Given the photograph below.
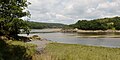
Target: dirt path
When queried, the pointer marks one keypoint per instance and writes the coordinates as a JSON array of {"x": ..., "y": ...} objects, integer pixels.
[{"x": 40, "y": 45}]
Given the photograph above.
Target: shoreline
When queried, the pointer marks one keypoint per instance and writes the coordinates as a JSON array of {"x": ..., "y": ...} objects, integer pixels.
[
  {"x": 96, "y": 31},
  {"x": 71, "y": 30}
]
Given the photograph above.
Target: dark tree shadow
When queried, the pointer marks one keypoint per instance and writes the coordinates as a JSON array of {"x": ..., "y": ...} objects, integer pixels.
[{"x": 20, "y": 38}]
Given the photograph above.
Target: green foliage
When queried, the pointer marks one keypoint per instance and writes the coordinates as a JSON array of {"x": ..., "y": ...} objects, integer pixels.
[
  {"x": 67, "y": 27},
  {"x": 10, "y": 13},
  {"x": 117, "y": 23},
  {"x": 57, "y": 51},
  {"x": 38, "y": 25},
  {"x": 98, "y": 24},
  {"x": 16, "y": 50}
]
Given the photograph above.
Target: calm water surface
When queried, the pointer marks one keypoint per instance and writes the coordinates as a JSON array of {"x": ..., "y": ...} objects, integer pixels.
[{"x": 98, "y": 39}]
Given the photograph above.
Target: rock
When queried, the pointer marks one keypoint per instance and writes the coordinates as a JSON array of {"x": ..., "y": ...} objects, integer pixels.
[
  {"x": 3, "y": 38},
  {"x": 35, "y": 37}
]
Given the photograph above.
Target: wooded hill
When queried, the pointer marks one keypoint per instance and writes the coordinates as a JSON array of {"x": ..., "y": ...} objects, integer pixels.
[
  {"x": 40, "y": 25},
  {"x": 98, "y": 24}
]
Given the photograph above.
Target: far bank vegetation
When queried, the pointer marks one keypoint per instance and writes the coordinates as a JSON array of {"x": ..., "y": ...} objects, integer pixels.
[{"x": 97, "y": 24}]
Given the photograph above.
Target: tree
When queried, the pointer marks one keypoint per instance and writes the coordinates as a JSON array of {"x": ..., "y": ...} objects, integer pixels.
[
  {"x": 11, "y": 12},
  {"x": 117, "y": 25}
]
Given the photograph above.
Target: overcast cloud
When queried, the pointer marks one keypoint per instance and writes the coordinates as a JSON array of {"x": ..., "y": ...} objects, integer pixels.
[{"x": 70, "y": 11}]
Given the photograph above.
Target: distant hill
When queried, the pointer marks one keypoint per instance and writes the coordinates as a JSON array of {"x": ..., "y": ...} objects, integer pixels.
[
  {"x": 98, "y": 24},
  {"x": 41, "y": 25}
]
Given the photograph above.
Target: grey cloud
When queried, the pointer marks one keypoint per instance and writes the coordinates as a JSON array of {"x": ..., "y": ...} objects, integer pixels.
[{"x": 69, "y": 11}]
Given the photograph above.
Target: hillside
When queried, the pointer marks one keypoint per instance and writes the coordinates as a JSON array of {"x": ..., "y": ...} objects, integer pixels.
[
  {"x": 98, "y": 24},
  {"x": 40, "y": 25}
]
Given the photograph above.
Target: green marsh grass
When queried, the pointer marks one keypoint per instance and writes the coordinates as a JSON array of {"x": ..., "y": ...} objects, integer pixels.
[{"x": 58, "y": 51}]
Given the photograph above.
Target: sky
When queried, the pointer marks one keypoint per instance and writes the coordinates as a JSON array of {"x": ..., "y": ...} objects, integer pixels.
[{"x": 70, "y": 11}]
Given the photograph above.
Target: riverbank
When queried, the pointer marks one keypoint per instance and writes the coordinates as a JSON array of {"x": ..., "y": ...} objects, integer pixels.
[
  {"x": 58, "y": 51},
  {"x": 41, "y": 44},
  {"x": 98, "y": 31},
  {"x": 94, "y": 31},
  {"x": 22, "y": 49},
  {"x": 45, "y": 30},
  {"x": 70, "y": 30}
]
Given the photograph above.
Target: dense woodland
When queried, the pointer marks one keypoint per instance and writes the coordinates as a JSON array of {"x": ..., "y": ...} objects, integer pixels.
[
  {"x": 40, "y": 25},
  {"x": 98, "y": 24}
]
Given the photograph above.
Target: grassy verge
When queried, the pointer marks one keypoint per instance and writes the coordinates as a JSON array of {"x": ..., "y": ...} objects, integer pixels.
[
  {"x": 16, "y": 50},
  {"x": 57, "y": 51},
  {"x": 30, "y": 48}
]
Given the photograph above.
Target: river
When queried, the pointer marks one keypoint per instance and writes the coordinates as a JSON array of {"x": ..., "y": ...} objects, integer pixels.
[{"x": 92, "y": 39}]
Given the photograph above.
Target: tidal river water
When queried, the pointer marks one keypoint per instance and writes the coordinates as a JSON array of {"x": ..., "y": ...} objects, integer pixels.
[{"x": 92, "y": 39}]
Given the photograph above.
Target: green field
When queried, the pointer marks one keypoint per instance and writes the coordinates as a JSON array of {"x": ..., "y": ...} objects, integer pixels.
[{"x": 57, "y": 51}]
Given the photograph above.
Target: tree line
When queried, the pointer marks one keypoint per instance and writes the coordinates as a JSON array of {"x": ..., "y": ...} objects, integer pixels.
[
  {"x": 98, "y": 24},
  {"x": 40, "y": 25}
]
